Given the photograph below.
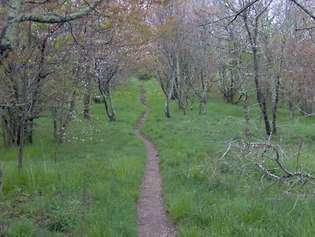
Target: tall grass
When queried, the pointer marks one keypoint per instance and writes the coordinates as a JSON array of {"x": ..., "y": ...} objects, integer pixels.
[
  {"x": 87, "y": 186},
  {"x": 206, "y": 197}
]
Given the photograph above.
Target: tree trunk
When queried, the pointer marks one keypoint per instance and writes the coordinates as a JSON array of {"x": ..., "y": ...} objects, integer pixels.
[
  {"x": 68, "y": 118},
  {"x": 167, "y": 108},
  {"x": 87, "y": 98},
  {"x": 247, "y": 132},
  {"x": 260, "y": 97},
  {"x": 204, "y": 95},
  {"x": 109, "y": 106},
  {"x": 62, "y": 119},
  {"x": 290, "y": 108},
  {"x": 29, "y": 131},
  {"x": 275, "y": 104},
  {"x": 9, "y": 127},
  {"x": 55, "y": 123},
  {"x": 20, "y": 137},
  {"x": 1, "y": 180},
  {"x": 169, "y": 96},
  {"x": 20, "y": 152}
]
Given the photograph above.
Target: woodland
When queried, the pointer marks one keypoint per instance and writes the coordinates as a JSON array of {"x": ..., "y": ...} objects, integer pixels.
[{"x": 157, "y": 118}]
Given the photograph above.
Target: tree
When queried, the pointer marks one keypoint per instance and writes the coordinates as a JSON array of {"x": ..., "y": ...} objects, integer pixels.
[{"x": 19, "y": 11}]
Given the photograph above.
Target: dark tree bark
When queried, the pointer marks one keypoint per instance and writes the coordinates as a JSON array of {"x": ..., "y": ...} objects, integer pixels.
[
  {"x": 106, "y": 72},
  {"x": 109, "y": 108},
  {"x": 275, "y": 105},
  {"x": 1, "y": 180},
  {"x": 253, "y": 40}
]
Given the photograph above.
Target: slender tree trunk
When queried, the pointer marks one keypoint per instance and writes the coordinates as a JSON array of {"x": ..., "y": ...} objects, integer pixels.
[
  {"x": 204, "y": 97},
  {"x": 61, "y": 120},
  {"x": 178, "y": 86},
  {"x": 87, "y": 98},
  {"x": 1, "y": 179},
  {"x": 108, "y": 104},
  {"x": 260, "y": 97},
  {"x": 109, "y": 108},
  {"x": 20, "y": 138},
  {"x": 247, "y": 132},
  {"x": 290, "y": 108},
  {"x": 10, "y": 126},
  {"x": 29, "y": 131},
  {"x": 169, "y": 96},
  {"x": 275, "y": 104},
  {"x": 55, "y": 123},
  {"x": 167, "y": 108},
  {"x": 253, "y": 35},
  {"x": 68, "y": 118}
]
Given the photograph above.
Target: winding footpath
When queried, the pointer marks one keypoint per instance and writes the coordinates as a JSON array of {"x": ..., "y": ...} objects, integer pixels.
[{"x": 152, "y": 217}]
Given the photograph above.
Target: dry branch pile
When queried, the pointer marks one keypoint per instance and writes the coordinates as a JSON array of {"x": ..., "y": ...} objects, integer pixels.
[{"x": 269, "y": 159}]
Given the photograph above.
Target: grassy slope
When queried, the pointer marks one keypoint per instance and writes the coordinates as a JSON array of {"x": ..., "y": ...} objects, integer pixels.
[
  {"x": 91, "y": 188},
  {"x": 208, "y": 198}
]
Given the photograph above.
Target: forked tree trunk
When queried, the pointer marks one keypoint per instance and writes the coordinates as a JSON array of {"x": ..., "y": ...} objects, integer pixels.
[
  {"x": 165, "y": 90},
  {"x": 169, "y": 95},
  {"x": 109, "y": 108},
  {"x": 261, "y": 99}
]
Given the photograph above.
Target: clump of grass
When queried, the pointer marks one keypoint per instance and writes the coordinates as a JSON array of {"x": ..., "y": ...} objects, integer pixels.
[{"x": 21, "y": 228}]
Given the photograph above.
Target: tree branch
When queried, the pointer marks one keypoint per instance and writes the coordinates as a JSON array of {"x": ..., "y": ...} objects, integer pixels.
[
  {"x": 14, "y": 17},
  {"x": 51, "y": 18},
  {"x": 304, "y": 9}
]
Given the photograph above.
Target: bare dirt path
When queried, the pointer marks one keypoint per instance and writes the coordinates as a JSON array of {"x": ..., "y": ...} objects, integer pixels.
[{"x": 152, "y": 217}]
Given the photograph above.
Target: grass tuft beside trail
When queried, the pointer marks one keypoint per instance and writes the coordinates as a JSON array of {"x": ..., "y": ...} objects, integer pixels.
[
  {"x": 86, "y": 187},
  {"x": 206, "y": 197}
]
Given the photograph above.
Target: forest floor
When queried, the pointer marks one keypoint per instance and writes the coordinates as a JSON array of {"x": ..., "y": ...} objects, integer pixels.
[
  {"x": 91, "y": 184},
  {"x": 152, "y": 217}
]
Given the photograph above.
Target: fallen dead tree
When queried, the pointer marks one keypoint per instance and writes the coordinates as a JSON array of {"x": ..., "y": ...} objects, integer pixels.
[{"x": 261, "y": 153}]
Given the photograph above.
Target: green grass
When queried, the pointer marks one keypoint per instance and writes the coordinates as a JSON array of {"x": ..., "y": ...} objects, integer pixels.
[
  {"x": 208, "y": 197},
  {"x": 87, "y": 186}
]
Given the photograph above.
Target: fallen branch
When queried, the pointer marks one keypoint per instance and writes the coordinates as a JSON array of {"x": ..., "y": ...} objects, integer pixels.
[
  {"x": 249, "y": 150},
  {"x": 287, "y": 173}
]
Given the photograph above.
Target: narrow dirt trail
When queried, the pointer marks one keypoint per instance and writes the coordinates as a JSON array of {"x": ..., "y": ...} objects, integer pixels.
[{"x": 152, "y": 217}]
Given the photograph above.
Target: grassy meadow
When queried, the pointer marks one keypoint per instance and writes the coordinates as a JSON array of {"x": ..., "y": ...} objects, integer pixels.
[
  {"x": 89, "y": 185},
  {"x": 207, "y": 196}
]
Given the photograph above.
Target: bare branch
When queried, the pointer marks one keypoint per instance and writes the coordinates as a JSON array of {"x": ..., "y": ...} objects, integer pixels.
[
  {"x": 51, "y": 18},
  {"x": 304, "y": 9}
]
